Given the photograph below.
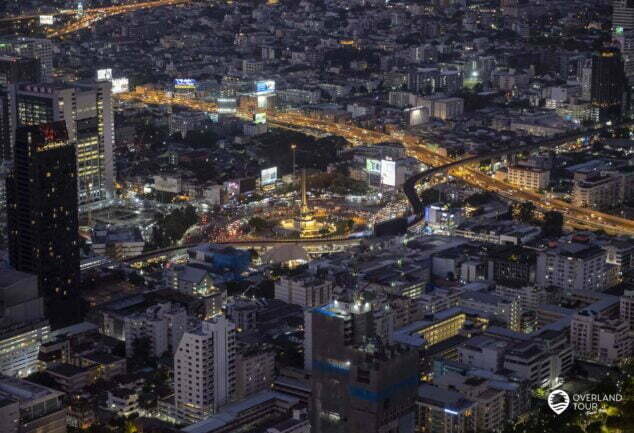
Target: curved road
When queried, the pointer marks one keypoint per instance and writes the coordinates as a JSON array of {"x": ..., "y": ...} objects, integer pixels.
[{"x": 581, "y": 216}]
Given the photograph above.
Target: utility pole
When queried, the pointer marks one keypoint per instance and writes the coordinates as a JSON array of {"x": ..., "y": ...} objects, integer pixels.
[{"x": 293, "y": 147}]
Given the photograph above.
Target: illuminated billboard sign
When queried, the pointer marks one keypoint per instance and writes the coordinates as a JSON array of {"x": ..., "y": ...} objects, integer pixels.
[
  {"x": 227, "y": 105},
  {"x": 388, "y": 172},
  {"x": 46, "y": 20},
  {"x": 104, "y": 74},
  {"x": 267, "y": 86},
  {"x": 373, "y": 166},
  {"x": 120, "y": 85},
  {"x": 268, "y": 176},
  {"x": 184, "y": 83},
  {"x": 259, "y": 118}
]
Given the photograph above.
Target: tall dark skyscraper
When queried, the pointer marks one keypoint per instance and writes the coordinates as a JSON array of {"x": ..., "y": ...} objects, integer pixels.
[
  {"x": 42, "y": 215},
  {"x": 12, "y": 71},
  {"x": 360, "y": 382},
  {"x": 608, "y": 85}
]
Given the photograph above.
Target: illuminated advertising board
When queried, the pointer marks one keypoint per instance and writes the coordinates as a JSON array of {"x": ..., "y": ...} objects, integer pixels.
[
  {"x": 46, "y": 20},
  {"x": 373, "y": 166},
  {"x": 259, "y": 118},
  {"x": 267, "y": 86},
  {"x": 104, "y": 74},
  {"x": 120, "y": 85},
  {"x": 232, "y": 188},
  {"x": 185, "y": 83},
  {"x": 227, "y": 105},
  {"x": 268, "y": 176},
  {"x": 388, "y": 172}
]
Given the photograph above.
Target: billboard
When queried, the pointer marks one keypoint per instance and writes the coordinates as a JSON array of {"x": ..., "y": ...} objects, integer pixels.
[
  {"x": 227, "y": 105},
  {"x": 388, "y": 172},
  {"x": 46, "y": 20},
  {"x": 232, "y": 187},
  {"x": 267, "y": 86},
  {"x": 167, "y": 184},
  {"x": 268, "y": 176},
  {"x": 104, "y": 74},
  {"x": 373, "y": 166},
  {"x": 120, "y": 85},
  {"x": 259, "y": 118},
  {"x": 185, "y": 83},
  {"x": 247, "y": 184}
]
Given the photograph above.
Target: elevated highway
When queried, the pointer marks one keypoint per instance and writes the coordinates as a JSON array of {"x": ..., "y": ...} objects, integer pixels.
[{"x": 417, "y": 148}]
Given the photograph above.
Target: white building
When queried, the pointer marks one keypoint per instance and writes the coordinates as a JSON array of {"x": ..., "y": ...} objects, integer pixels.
[
  {"x": 305, "y": 291},
  {"x": 599, "y": 339},
  {"x": 529, "y": 296},
  {"x": 572, "y": 266},
  {"x": 626, "y": 309},
  {"x": 162, "y": 324},
  {"x": 506, "y": 310},
  {"x": 123, "y": 401},
  {"x": 204, "y": 370},
  {"x": 117, "y": 243},
  {"x": 186, "y": 121},
  {"x": 448, "y": 108},
  {"x": 597, "y": 192},
  {"x": 299, "y": 96},
  {"x": 529, "y": 178}
]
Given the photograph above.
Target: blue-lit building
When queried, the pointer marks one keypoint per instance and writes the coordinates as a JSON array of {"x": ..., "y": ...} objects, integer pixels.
[
  {"x": 226, "y": 262},
  {"x": 360, "y": 383}
]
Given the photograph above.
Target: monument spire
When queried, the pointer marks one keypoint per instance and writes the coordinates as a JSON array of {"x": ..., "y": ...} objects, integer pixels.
[{"x": 304, "y": 208}]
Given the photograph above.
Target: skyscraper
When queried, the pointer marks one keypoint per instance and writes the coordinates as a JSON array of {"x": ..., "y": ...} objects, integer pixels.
[
  {"x": 622, "y": 15},
  {"x": 40, "y": 49},
  {"x": 12, "y": 71},
  {"x": 608, "y": 85},
  {"x": 204, "y": 370},
  {"x": 360, "y": 383},
  {"x": 42, "y": 215},
  {"x": 87, "y": 112}
]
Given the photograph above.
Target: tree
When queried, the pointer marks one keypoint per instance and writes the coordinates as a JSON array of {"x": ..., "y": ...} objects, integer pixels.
[
  {"x": 524, "y": 212},
  {"x": 553, "y": 224}
]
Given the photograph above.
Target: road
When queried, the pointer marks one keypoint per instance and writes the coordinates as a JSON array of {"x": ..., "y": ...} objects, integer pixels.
[
  {"x": 91, "y": 16},
  {"x": 580, "y": 217}
]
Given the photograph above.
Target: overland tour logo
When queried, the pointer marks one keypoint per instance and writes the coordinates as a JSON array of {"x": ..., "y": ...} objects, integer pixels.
[{"x": 558, "y": 400}]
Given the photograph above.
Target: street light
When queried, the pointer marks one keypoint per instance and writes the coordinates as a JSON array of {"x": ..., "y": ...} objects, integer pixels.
[{"x": 293, "y": 147}]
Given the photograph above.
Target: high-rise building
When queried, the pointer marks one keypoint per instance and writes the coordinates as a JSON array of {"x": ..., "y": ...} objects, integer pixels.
[
  {"x": 600, "y": 339},
  {"x": 12, "y": 70},
  {"x": 40, "y": 49},
  {"x": 15, "y": 69},
  {"x": 87, "y": 112},
  {"x": 622, "y": 15},
  {"x": 30, "y": 408},
  {"x": 608, "y": 85},
  {"x": 22, "y": 323},
  {"x": 42, "y": 215},
  {"x": 204, "y": 370},
  {"x": 360, "y": 383},
  {"x": 7, "y": 122},
  {"x": 162, "y": 325}
]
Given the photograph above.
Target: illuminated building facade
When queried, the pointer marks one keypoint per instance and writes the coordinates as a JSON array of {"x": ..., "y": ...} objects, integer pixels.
[
  {"x": 22, "y": 323},
  {"x": 608, "y": 85},
  {"x": 204, "y": 370},
  {"x": 87, "y": 112},
  {"x": 42, "y": 215}
]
